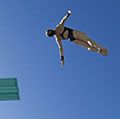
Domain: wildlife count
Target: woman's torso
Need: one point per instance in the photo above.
(68, 33)
(65, 33)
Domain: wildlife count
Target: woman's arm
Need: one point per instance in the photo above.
(59, 42)
(65, 18)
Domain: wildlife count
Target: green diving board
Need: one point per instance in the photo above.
(9, 89)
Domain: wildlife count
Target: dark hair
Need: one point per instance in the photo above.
(50, 32)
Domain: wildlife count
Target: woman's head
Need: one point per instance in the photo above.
(50, 33)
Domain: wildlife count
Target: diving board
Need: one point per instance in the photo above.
(9, 89)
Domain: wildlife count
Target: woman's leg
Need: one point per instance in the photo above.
(91, 45)
(100, 49)
(83, 40)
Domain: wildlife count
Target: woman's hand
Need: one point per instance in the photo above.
(62, 60)
(69, 12)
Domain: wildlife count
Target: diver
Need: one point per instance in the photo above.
(80, 38)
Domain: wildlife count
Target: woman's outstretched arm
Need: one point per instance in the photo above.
(65, 17)
(59, 43)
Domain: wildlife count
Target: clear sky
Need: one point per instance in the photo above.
(87, 87)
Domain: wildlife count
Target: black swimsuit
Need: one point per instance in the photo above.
(70, 34)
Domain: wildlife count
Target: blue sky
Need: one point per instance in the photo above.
(87, 87)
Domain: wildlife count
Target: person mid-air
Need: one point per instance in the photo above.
(63, 33)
